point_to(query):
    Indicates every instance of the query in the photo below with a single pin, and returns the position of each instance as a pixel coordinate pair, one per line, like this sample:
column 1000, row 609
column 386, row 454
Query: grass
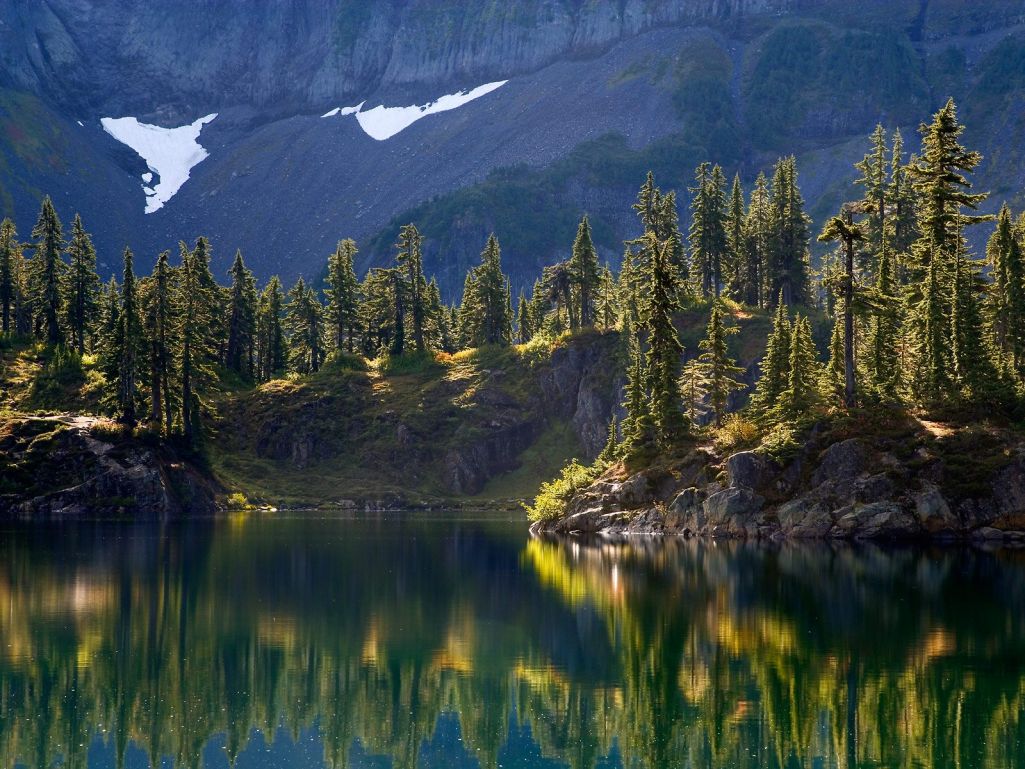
column 555, row 448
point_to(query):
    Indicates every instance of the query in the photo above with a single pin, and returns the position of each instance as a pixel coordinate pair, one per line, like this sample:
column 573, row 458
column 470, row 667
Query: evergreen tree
column 304, row 321
column 787, row 248
column 129, row 339
column 47, row 274
column 775, row 364
column 607, row 306
column 10, row 260
column 485, row 317
column 834, row 380
column 610, row 453
column 664, row 351
column 584, row 270
column 109, row 335
column 241, row 319
column 272, row 353
column 842, row 228
column 883, row 364
column 718, row 369
column 757, row 229
column 801, row 393
column 410, row 256
column 637, row 425
column 158, row 308
column 694, row 388
column 1006, row 296
column 343, row 296
column 83, row 286
column 524, row 327
column 193, row 313
column 901, row 222
column 874, row 180
column 708, row 241
column 736, row 262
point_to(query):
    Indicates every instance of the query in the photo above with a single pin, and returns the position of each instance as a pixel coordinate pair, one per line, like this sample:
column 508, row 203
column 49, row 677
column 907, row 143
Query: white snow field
column 382, row 123
column 170, row 153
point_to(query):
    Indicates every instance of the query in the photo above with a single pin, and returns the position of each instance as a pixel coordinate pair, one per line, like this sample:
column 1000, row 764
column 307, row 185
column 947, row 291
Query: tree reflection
column 406, row 643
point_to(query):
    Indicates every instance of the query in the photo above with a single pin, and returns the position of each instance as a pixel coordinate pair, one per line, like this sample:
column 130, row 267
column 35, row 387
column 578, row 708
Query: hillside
column 596, row 95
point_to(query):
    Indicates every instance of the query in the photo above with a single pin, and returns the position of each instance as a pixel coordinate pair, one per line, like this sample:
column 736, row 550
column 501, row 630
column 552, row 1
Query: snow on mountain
column 382, row 123
column 170, row 153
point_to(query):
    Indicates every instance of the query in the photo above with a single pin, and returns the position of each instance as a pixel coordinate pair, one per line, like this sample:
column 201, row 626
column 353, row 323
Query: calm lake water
column 264, row 642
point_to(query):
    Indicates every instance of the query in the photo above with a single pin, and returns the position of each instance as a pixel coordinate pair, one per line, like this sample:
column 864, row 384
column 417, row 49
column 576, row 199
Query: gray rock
column 841, row 461
column 749, row 470
column 875, row 521
column 933, row 512
column 805, row 518
column 733, row 507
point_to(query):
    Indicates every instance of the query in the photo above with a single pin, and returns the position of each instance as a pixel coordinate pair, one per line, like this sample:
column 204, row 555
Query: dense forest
column 917, row 321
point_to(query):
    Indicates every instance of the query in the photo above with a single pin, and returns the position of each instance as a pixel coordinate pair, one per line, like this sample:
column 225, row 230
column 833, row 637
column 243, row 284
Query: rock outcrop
column 846, row 489
column 57, row 468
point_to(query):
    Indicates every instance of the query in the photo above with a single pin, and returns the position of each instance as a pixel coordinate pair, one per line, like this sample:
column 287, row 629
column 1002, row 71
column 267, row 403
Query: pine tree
column 109, row 335
column 775, row 364
column 610, row 453
column 343, row 296
column 718, row 368
column 272, row 352
column 883, row 365
column 736, row 243
column 637, row 425
column 241, row 319
column 938, row 291
column 83, row 286
column 664, row 351
column 485, row 317
column 607, row 306
column 787, row 248
column 583, row 268
column 694, row 388
column 874, row 179
column 757, row 225
column 1006, row 295
column 842, row 228
column 410, row 256
column 801, row 393
column 158, row 308
column 10, row 260
column 128, row 341
column 193, row 313
column 834, row 377
column 47, row 273
column 304, row 321
column 524, row 327
column 707, row 236
column 901, row 222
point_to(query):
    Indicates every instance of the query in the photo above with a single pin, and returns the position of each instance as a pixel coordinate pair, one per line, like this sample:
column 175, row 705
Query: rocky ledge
column 68, row 466
column 857, row 488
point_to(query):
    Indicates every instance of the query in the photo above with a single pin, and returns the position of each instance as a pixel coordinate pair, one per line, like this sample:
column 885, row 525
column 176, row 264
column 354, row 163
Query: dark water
column 406, row 642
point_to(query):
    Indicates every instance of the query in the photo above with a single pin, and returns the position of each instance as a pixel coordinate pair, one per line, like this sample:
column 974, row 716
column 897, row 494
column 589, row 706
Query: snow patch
column 170, row 153
column 80, row 123
column 382, row 123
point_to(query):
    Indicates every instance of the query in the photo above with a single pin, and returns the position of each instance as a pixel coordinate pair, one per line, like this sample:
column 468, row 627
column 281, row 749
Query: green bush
column 551, row 500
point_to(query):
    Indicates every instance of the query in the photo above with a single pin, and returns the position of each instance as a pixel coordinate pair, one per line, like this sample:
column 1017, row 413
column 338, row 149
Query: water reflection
column 403, row 642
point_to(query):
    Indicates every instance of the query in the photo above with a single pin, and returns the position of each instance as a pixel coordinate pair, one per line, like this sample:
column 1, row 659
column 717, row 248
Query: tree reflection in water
column 404, row 642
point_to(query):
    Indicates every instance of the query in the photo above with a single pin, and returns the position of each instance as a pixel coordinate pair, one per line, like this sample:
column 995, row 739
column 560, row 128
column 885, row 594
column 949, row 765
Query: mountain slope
column 597, row 93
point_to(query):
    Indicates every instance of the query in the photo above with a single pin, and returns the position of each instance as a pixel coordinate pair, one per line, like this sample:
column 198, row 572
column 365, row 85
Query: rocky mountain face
column 597, row 93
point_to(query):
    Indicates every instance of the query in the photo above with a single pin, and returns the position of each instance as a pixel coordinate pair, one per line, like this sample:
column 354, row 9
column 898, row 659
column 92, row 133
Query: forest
column 917, row 321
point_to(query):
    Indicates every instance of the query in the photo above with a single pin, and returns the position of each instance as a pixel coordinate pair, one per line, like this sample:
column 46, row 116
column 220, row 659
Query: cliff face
column 144, row 55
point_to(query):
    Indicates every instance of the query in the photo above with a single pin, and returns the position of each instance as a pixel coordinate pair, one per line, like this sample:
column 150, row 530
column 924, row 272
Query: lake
column 438, row 640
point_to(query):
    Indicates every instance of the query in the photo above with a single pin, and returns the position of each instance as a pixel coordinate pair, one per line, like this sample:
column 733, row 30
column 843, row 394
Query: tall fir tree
column 843, row 229
column 241, row 319
column 484, row 316
column 718, row 369
column 158, row 322
column 757, row 228
column 272, row 353
column 874, row 181
column 584, row 271
column 787, row 247
column 802, row 391
column 707, row 235
column 304, row 320
column 10, row 262
column 665, row 352
column 775, row 363
column 343, row 296
column 736, row 242
column 129, row 340
column 410, row 257
column 47, row 274
column 83, row 286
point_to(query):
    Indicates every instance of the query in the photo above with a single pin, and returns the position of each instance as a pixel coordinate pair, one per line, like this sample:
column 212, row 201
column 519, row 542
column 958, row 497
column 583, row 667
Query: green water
column 448, row 642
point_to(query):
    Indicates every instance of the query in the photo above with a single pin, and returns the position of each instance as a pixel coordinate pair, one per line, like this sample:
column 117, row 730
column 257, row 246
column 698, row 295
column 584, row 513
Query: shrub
column 409, row 363
column 109, row 431
column 736, row 434
column 551, row 500
column 237, row 501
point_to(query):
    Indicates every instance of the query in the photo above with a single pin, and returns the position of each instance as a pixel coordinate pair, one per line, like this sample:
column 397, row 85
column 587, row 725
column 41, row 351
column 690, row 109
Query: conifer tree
column 398, row 339
column 272, row 353
column 901, row 194
column 883, row 364
column 304, row 321
column 735, row 242
column 664, row 351
column 708, row 227
column 874, row 180
column 787, row 257
column 719, row 370
column 47, row 273
column 775, row 364
column 109, row 335
column 196, row 350
column 801, row 393
column 610, row 453
column 158, row 307
column 1006, row 295
column 607, row 306
column 834, row 376
column 694, row 389
column 129, row 338
column 485, row 317
column 410, row 257
column 584, row 271
column 842, row 228
column 757, row 224
column 83, row 286
column 343, row 296
column 10, row 259
column 524, row 328
column 637, row 425
column 241, row 319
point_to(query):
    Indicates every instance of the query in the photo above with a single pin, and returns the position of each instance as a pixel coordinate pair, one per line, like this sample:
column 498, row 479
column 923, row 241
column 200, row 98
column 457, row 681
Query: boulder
column 841, row 461
column 805, row 518
column 733, row 511
column 879, row 520
column 933, row 513
column 748, row 470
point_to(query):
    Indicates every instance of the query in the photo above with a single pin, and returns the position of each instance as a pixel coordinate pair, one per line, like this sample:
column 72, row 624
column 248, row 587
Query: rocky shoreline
column 850, row 490
column 62, row 467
